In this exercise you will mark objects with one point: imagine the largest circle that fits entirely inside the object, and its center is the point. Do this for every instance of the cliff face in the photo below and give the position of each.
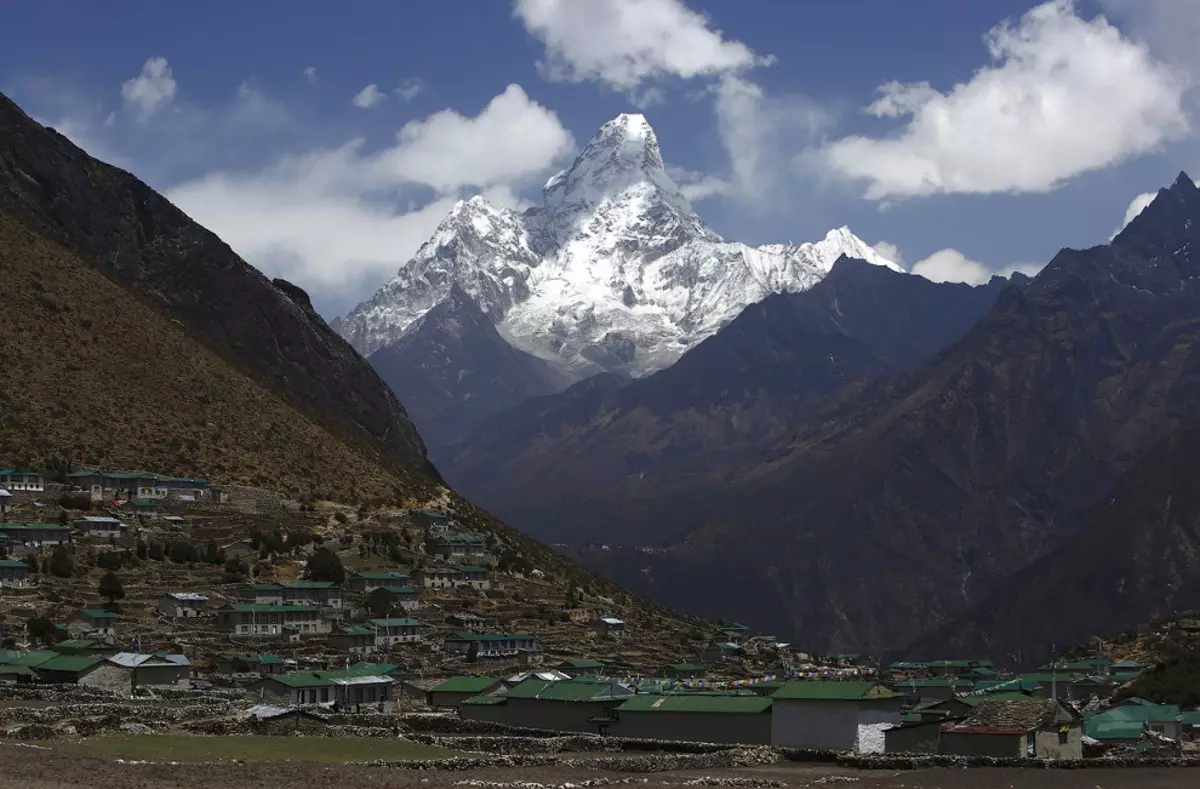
(138, 240)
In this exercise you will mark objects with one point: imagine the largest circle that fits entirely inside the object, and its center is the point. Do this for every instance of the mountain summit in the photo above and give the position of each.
(614, 271)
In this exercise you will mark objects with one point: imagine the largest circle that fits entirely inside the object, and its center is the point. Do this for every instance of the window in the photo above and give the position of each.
(324, 694)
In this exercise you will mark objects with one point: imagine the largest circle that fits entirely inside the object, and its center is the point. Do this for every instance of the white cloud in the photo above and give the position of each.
(337, 221)
(624, 43)
(310, 74)
(409, 89)
(950, 265)
(368, 97)
(697, 186)
(1063, 96)
(512, 137)
(151, 90)
(889, 251)
(762, 133)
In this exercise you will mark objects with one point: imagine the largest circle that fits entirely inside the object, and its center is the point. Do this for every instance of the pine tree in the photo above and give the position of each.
(110, 587)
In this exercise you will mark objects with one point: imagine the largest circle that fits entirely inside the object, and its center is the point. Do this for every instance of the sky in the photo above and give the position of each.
(324, 142)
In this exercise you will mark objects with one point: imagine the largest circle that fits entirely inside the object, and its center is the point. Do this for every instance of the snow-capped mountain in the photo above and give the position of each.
(613, 271)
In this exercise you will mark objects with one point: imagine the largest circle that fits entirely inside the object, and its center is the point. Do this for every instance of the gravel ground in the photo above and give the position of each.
(36, 768)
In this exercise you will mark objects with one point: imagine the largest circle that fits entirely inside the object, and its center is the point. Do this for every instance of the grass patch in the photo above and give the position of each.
(259, 748)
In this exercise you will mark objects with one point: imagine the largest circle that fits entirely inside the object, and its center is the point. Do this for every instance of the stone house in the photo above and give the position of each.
(35, 533)
(183, 605)
(405, 597)
(139, 485)
(835, 715)
(735, 633)
(920, 735)
(369, 582)
(92, 622)
(13, 573)
(83, 670)
(389, 631)
(473, 576)
(155, 669)
(256, 619)
(460, 547)
(357, 640)
(722, 652)
(582, 667)
(437, 577)
(22, 480)
(933, 688)
(1035, 728)
(454, 691)
(325, 594)
(489, 645)
(609, 626)
(684, 671)
(101, 526)
(344, 689)
(569, 705)
(263, 665)
(692, 717)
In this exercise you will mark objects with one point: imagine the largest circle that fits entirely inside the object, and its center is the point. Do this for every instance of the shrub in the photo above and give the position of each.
(324, 565)
(60, 563)
(110, 560)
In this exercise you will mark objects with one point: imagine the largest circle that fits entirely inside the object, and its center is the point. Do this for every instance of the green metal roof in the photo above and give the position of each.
(78, 643)
(69, 663)
(266, 587)
(98, 613)
(583, 663)
(369, 669)
(565, 691)
(471, 568)
(737, 705)
(400, 590)
(17, 671)
(33, 527)
(463, 635)
(13, 564)
(832, 690)
(34, 659)
(400, 622)
(317, 679)
(309, 585)
(389, 576)
(270, 608)
(354, 631)
(465, 684)
(935, 682)
(484, 701)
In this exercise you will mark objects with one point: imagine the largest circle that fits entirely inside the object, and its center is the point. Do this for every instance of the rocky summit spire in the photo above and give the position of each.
(624, 154)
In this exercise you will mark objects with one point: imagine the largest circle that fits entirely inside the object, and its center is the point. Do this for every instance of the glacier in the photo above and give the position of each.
(614, 271)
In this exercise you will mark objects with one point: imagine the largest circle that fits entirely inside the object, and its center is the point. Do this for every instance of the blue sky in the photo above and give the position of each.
(245, 114)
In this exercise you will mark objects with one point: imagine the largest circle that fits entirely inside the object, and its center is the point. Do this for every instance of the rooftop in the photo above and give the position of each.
(832, 690)
(465, 684)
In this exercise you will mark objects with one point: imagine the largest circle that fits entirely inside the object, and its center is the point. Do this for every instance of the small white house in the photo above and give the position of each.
(610, 626)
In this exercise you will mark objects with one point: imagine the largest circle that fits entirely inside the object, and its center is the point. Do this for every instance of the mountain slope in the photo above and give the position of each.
(138, 240)
(452, 369)
(908, 500)
(614, 271)
(899, 502)
(713, 409)
(1132, 558)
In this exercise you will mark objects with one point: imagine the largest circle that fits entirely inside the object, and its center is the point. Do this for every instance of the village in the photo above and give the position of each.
(295, 617)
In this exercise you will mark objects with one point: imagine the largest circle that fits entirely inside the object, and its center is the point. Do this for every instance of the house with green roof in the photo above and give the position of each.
(325, 594)
(438, 577)
(460, 547)
(87, 670)
(347, 688)
(80, 646)
(489, 645)
(958, 668)
(14, 573)
(396, 630)
(1127, 722)
(369, 582)
(454, 691)
(258, 619)
(1128, 669)
(15, 480)
(353, 639)
(139, 485)
(582, 667)
(473, 576)
(565, 705)
(92, 623)
(722, 652)
(833, 714)
(249, 663)
(404, 597)
(684, 671)
(939, 688)
(35, 533)
(693, 717)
